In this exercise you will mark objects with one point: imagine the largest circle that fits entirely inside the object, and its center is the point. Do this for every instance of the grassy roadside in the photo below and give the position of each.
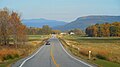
(34, 42)
(74, 51)
(91, 44)
(9, 62)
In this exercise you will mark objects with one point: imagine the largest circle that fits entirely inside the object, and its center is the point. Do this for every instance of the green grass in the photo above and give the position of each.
(93, 39)
(37, 37)
(7, 63)
(105, 63)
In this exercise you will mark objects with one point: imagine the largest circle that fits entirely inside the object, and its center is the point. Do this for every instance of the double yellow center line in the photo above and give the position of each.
(53, 59)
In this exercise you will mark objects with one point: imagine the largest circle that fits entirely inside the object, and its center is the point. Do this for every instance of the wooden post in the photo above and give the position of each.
(89, 55)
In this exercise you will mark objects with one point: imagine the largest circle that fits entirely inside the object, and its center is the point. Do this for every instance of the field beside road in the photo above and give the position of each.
(10, 54)
(105, 50)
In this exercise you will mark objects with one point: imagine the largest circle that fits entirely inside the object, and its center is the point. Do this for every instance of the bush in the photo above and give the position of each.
(7, 57)
(6, 54)
(16, 56)
(101, 56)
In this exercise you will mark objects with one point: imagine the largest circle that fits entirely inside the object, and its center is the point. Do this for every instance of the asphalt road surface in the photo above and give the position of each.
(53, 55)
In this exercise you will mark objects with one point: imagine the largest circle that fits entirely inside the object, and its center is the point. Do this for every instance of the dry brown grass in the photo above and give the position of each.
(6, 54)
(106, 51)
(10, 52)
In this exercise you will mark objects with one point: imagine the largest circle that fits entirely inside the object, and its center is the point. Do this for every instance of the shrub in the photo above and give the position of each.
(7, 57)
(6, 54)
(101, 56)
(16, 55)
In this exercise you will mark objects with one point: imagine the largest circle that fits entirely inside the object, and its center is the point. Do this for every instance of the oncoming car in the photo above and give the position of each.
(47, 43)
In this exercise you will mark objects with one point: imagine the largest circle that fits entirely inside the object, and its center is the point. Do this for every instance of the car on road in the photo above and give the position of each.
(47, 43)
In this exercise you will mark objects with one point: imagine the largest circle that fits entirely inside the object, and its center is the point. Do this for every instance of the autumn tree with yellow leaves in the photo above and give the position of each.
(11, 28)
(104, 30)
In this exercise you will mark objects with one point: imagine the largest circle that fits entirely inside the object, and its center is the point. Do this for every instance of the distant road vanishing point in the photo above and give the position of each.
(53, 55)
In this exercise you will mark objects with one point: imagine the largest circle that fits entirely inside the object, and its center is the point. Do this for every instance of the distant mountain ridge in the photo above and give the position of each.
(40, 22)
(83, 22)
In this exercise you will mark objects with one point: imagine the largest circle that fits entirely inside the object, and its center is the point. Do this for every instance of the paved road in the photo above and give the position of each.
(53, 55)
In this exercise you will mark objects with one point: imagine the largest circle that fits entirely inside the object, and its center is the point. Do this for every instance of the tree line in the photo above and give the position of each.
(104, 30)
(11, 28)
(45, 30)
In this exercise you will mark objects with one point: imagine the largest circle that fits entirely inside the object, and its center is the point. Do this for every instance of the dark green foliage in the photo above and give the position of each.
(7, 57)
(10, 56)
(101, 57)
(114, 31)
(46, 30)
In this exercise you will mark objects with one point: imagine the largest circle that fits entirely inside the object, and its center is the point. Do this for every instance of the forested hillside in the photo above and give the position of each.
(85, 21)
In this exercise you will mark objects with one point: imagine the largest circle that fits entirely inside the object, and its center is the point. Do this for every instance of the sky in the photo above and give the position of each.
(64, 10)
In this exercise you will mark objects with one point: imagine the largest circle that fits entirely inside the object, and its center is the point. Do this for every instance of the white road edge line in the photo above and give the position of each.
(74, 57)
(30, 57)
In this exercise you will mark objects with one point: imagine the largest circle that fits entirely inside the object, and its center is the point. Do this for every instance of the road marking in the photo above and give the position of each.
(72, 56)
(30, 57)
(51, 54)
